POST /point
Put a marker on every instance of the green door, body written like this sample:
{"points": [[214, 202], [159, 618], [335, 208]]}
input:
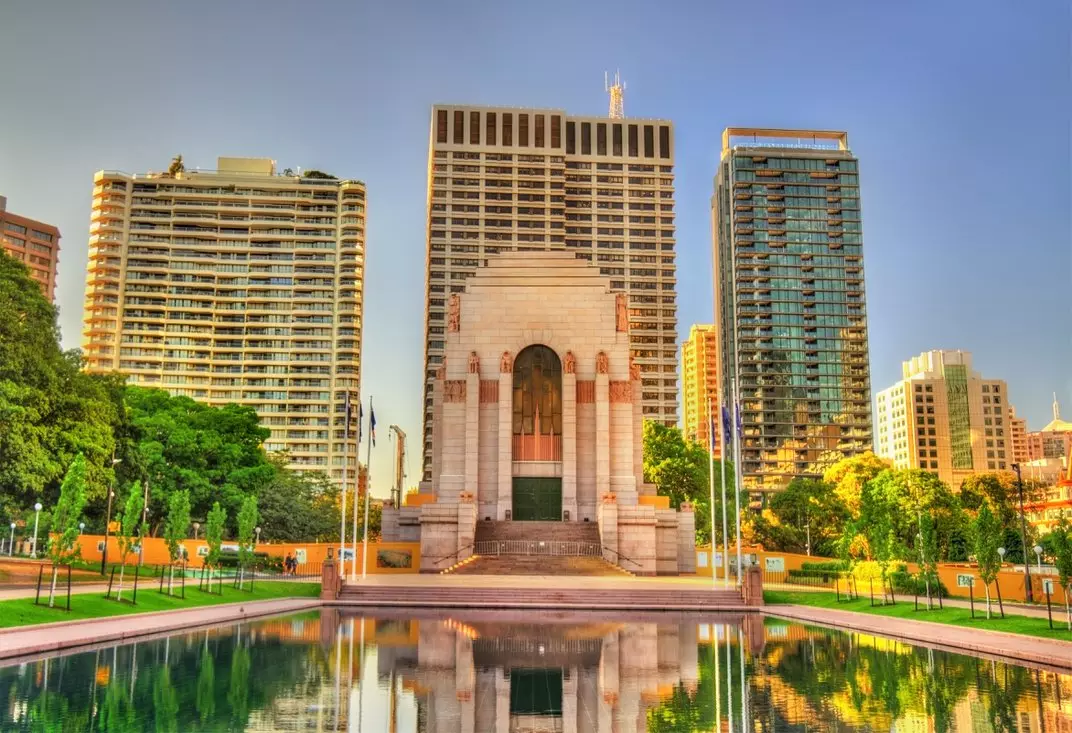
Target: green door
{"points": [[537, 499], [536, 692]]}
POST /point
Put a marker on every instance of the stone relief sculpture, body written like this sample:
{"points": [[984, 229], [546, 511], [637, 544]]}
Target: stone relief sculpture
{"points": [[570, 363], [621, 312], [474, 363], [621, 392], [454, 390], [634, 369], [506, 363], [454, 313], [602, 363]]}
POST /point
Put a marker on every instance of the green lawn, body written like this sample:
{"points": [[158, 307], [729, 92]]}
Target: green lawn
{"points": [[955, 616], [23, 612]]}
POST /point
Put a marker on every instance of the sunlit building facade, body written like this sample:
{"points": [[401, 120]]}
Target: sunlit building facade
{"points": [[235, 285], [33, 243], [789, 300], [699, 385]]}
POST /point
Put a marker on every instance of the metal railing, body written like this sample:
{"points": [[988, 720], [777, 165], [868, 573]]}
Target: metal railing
{"points": [[551, 548]]}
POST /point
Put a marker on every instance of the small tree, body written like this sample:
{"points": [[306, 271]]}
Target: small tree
{"points": [[881, 540], [65, 517], [217, 517], [987, 539], [178, 520], [928, 548], [247, 521], [128, 529], [1060, 539]]}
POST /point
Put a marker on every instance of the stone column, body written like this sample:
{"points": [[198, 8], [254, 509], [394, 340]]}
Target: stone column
{"points": [[506, 435], [602, 425], [569, 702], [686, 539], [608, 682], [502, 700], [607, 516], [437, 426], [638, 429], [689, 655], [464, 682], [569, 437], [472, 423]]}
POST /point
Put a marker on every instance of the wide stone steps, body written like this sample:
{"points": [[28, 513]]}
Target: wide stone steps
{"points": [[537, 531], [538, 565], [614, 598]]}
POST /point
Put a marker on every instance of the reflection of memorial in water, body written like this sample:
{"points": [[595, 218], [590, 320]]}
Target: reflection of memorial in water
{"points": [[556, 676]]}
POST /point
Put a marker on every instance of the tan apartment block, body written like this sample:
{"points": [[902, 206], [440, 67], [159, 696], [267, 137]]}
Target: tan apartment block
{"points": [[505, 179], [236, 285], [1018, 437], [944, 417], [35, 244], [699, 385]]}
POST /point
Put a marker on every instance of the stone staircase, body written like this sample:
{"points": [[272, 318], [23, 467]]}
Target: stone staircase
{"points": [[580, 532], [538, 565], [620, 596]]}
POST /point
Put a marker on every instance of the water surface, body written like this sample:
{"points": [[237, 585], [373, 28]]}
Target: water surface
{"points": [[513, 672]]}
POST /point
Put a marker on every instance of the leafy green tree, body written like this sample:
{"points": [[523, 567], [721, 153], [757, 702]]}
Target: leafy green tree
{"points": [[849, 476], [247, 522], [66, 515], [807, 517], [1060, 539], [298, 506], [205, 699], [50, 410], [987, 539], [126, 536], [178, 520], [215, 453], [928, 550], [909, 494], [217, 518], [679, 469]]}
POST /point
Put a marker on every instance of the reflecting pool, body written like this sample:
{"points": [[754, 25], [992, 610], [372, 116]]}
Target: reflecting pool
{"points": [[523, 673]]}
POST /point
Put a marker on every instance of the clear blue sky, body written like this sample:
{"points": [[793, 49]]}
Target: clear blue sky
{"points": [[959, 113]]}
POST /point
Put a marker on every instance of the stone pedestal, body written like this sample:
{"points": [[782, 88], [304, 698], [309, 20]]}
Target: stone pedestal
{"points": [[686, 539], [330, 580], [752, 586], [636, 539], [439, 536], [607, 516]]}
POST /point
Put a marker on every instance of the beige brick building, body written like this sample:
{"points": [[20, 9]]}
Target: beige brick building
{"points": [[504, 179], [1018, 437], [234, 285], [35, 244], [537, 417], [946, 418], [699, 384]]}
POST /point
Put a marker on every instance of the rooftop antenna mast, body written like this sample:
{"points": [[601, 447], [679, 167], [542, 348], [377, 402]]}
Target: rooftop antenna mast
{"points": [[617, 95]]}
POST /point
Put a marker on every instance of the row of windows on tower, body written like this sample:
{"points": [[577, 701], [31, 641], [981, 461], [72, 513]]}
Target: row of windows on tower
{"points": [[503, 134]]}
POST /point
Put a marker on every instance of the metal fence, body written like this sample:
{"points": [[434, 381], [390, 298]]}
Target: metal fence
{"points": [[548, 548]]}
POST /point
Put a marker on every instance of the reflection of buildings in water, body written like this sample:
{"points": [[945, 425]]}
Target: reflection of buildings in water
{"points": [[552, 677]]}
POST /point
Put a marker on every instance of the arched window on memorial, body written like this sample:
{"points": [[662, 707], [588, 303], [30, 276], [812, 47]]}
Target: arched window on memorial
{"points": [[537, 423]]}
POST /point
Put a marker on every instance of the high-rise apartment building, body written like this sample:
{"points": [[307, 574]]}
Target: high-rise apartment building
{"points": [[236, 285], [789, 300], [34, 243], [1017, 437], [507, 179], [944, 417], [699, 384]]}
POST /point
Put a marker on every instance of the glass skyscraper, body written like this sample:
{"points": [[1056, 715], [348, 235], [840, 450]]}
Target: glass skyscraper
{"points": [[789, 300]]}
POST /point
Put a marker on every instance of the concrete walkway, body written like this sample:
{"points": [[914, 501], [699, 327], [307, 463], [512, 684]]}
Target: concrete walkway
{"points": [[1048, 653], [24, 640]]}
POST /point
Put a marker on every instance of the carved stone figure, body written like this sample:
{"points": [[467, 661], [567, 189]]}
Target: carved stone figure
{"points": [[634, 369], [621, 392], [621, 312], [570, 364], [474, 363], [454, 390], [602, 363], [506, 363], [454, 313]]}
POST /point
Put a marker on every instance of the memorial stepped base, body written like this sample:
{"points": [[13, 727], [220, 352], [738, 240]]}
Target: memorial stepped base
{"points": [[580, 532], [538, 565], [512, 593]]}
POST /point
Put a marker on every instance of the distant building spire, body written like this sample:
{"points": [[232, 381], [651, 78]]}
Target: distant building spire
{"points": [[617, 95], [1056, 408]]}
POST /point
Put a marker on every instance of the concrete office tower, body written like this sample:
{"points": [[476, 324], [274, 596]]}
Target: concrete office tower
{"points": [[234, 285], [34, 243], [503, 179], [789, 300], [699, 384], [1018, 437], [944, 417]]}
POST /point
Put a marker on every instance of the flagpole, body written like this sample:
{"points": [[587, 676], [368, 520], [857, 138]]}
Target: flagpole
{"points": [[368, 489], [357, 482], [737, 469], [342, 493], [725, 508], [711, 486]]}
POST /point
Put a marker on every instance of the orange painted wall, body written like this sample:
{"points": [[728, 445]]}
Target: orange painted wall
{"points": [[156, 552]]}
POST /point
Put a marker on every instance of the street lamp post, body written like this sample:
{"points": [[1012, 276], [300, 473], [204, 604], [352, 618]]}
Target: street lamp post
{"points": [[81, 526], [11, 542], [1038, 558], [257, 541], [1023, 534], [37, 516], [197, 526]]}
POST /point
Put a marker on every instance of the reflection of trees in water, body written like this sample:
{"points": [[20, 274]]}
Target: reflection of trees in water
{"points": [[163, 696]]}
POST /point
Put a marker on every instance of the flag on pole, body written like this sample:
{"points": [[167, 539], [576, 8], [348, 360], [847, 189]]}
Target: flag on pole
{"points": [[360, 420], [372, 423], [740, 422], [726, 429]]}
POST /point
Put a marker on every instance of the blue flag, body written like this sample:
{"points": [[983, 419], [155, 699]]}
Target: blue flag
{"points": [[372, 423], [740, 422], [360, 421], [726, 429]]}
